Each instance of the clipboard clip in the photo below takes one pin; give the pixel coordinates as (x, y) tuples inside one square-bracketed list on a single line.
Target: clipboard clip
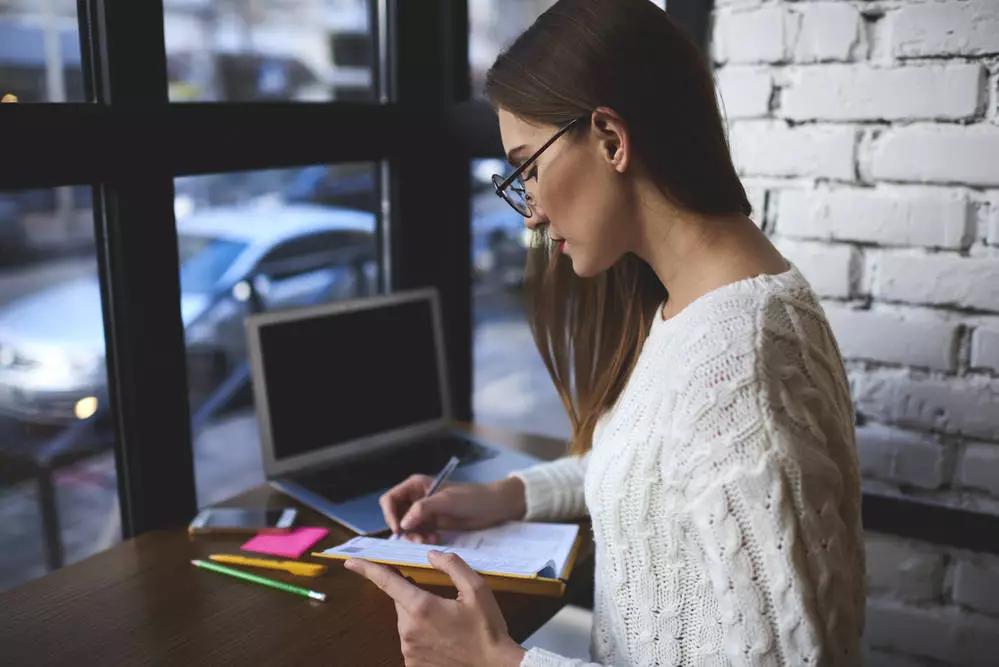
[(548, 571)]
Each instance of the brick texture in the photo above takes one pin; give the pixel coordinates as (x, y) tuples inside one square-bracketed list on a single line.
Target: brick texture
[(979, 468), (756, 35), (946, 634), (764, 148), (976, 584), (831, 270), (745, 91), (938, 279), (943, 29), (904, 457), (985, 348), (860, 92), (924, 153), (915, 339), (824, 31), (928, 217), (903, 568), (992, 223), (966, 406)]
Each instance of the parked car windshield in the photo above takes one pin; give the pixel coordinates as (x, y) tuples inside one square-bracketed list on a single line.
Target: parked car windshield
[(204, 260)]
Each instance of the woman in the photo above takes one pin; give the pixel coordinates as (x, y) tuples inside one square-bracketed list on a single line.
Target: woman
[(713, 442)]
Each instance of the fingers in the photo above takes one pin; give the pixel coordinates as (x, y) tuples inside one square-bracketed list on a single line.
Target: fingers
[(389, 511), (396, 501), (469, 583), (428, 513), (392, 584)]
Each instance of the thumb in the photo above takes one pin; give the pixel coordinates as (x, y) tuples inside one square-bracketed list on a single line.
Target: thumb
[(470, 584)]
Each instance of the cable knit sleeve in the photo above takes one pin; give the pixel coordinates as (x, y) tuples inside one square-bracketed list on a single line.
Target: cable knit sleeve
[(747, 531), (769, 507), (554, 491)]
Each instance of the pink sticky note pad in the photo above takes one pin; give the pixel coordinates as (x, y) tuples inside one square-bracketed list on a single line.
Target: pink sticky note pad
[(290, 545)]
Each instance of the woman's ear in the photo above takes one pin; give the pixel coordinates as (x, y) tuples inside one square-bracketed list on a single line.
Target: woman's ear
[(612, 137)]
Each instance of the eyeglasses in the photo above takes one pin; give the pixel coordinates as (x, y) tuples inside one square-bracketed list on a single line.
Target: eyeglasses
[(513, 189)]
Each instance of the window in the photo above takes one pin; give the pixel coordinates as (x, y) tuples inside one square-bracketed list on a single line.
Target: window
[(300, 50), (53, 387), (493, 25), (511, 386), (257, 241), (40, 51)]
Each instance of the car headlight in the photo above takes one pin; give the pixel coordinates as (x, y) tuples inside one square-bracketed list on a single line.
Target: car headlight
[(7, 356), (183, 206), (485, 261)]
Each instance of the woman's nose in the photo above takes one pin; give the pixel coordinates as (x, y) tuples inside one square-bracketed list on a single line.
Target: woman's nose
[(537, 216)]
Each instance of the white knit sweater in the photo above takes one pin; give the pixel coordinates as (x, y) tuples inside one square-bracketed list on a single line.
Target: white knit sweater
[(724, 492)]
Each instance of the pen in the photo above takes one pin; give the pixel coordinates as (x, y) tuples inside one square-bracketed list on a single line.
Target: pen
[(221, 569), (294, 567), (440, 479)]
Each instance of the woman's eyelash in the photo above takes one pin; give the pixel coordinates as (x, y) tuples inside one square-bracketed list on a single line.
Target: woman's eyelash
[(531, 173)]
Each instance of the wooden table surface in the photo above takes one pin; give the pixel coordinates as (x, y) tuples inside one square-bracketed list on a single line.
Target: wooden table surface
[(144, 603)]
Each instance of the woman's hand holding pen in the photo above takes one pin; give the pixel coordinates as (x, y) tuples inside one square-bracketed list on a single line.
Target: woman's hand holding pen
[(452, 507)]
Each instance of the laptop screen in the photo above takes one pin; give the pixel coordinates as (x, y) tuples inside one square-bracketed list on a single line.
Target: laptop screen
[(338, 377)]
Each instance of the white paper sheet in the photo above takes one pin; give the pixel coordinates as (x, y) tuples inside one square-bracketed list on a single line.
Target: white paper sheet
[(516, 548), (543, 541)]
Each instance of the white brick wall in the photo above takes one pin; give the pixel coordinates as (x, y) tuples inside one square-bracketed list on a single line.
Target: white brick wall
[(992, 229), (832, 270), (756, 35), (888, 216), (923, 339), (824, 31), (940, 279), (979, 467), (765, 148), (975, 583), (941, 153), (745, 91), (903, 569), (871, 130), (944, 634), (985, 348), (945, 29), (861, 92), (908, 458), (966, 406)]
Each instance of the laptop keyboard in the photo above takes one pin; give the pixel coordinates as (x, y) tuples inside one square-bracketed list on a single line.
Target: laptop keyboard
[(347, 480)]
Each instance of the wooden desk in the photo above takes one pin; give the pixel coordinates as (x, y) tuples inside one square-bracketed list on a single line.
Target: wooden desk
[(143, 603)]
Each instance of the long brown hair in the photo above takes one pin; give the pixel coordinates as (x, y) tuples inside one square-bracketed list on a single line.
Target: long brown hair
[(629, 56)]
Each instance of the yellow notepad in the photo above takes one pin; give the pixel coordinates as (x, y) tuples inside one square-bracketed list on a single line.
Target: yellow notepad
[(521, 557)]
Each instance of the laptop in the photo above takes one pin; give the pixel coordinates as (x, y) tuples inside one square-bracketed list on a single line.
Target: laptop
[(342, 388)]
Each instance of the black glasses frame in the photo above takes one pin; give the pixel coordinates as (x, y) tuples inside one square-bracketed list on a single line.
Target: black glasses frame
[(503, 184)]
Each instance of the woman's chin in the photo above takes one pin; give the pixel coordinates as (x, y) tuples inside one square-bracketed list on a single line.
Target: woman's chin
[(582, 268)]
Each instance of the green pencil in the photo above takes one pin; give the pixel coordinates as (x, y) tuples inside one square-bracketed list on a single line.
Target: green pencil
[(260, 580)]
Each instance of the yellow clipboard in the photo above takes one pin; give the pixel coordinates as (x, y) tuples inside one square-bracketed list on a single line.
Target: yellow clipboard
[(511, 583)]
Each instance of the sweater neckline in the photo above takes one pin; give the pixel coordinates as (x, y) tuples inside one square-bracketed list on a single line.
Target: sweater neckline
[(791, 278)]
